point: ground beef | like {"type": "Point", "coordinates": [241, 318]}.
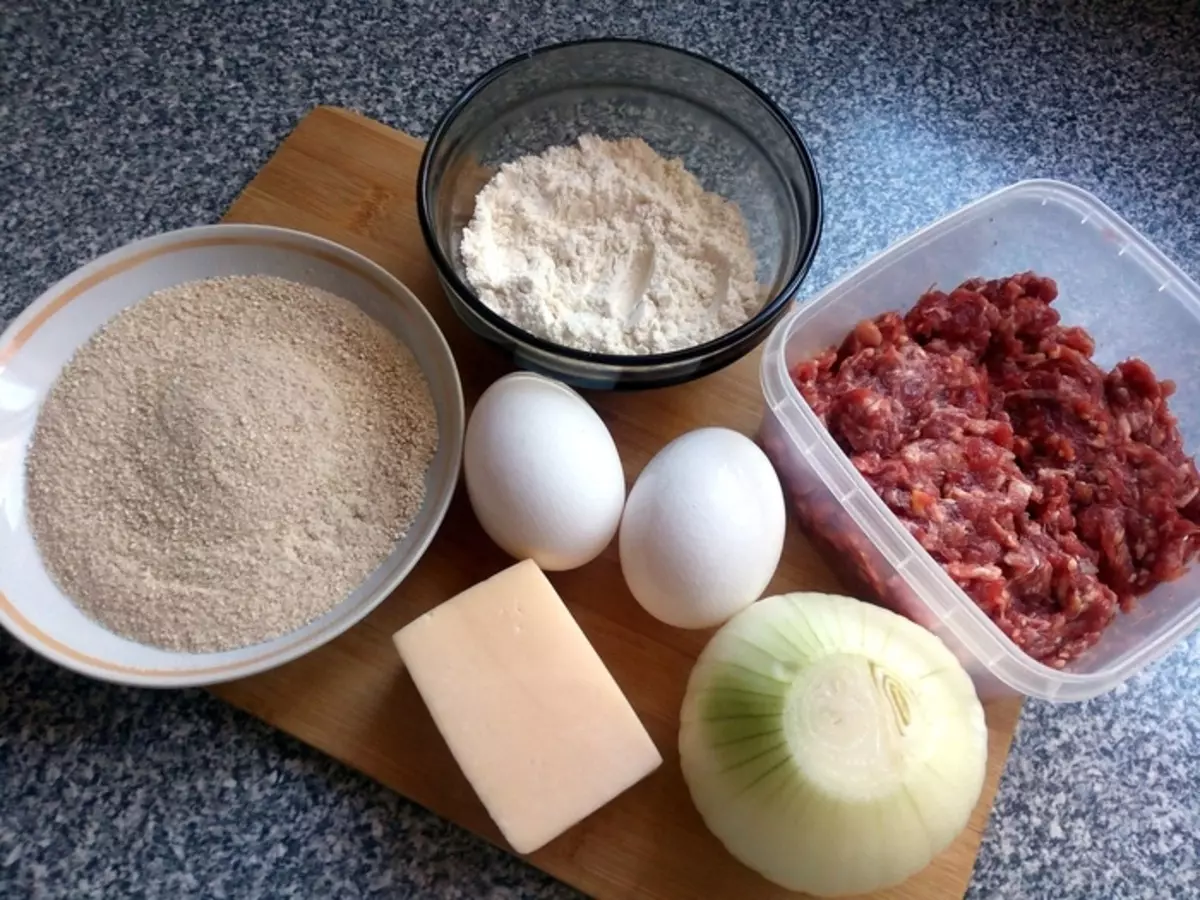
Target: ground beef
{"type": "Point", "coordinates": [1052, 492]}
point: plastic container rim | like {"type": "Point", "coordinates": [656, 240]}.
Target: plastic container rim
{"type": "Point", "coordinates": [981, 636]}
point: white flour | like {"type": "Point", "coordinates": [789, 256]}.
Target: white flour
{"type": "Point", "coordinates": [609, 247]}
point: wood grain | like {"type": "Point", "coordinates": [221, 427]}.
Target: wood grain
{"type": "Point", "coordinates": [353, 180]}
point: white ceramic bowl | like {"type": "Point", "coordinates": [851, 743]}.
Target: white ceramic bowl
{"type": "Point", "coordinates": [43, 338]}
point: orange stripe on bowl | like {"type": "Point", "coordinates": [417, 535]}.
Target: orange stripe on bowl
{"type": "Point", "coordinates": [31, 631]}
{"type": "Point", "coordinates": [31, 327]}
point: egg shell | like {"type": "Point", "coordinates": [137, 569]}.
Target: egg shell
{"type": "Point", "coordinates": [542, 472]}
{"type": "Point", "coordinates": [703, 529]}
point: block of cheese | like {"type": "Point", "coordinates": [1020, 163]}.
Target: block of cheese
{"type": "Point", "coordinates": [531, 714]}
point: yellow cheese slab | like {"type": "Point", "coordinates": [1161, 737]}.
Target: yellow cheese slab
{"type": "Point", "coordinates": [528, 709]}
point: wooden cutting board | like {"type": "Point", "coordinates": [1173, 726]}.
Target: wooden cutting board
{"type": "Point", "coordinates": [353, 180]}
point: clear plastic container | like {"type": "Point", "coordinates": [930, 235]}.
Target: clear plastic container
{"type": "Point", "coordinates": [1133, 300]}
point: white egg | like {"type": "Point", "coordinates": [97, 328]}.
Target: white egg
{"type": "Point", "coordinates": [703, 529]}
{"type": "Point", "coordinates": [542, 472]}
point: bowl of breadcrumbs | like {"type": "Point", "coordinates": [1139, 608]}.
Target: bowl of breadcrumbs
{"type": "Point", "coordinates": [219, 449]}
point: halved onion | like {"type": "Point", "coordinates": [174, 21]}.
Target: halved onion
{"type": "Point", "coordinates": [832, 746]}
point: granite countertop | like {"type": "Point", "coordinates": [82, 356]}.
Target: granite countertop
{"type": "Point", "coordinates": [120, 119]}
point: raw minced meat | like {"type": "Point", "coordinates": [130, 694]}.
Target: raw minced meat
{"type": "Point", "coordinates": [1052, 492]}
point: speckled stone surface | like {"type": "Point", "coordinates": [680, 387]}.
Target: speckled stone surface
{"type": "Point", "coordinates": [122, 119]}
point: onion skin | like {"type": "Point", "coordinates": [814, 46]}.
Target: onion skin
{"type": "Point", "coordinates": [832, 746]}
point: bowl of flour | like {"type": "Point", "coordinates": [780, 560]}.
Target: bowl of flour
{"type": "Point", "coordinates": [618, 214]}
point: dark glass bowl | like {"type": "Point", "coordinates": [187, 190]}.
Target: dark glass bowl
{"type": "Point", "coordinates": [734, 139]}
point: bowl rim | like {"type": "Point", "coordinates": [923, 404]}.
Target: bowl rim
{"type": "Point", "coordinates": [646, 361]}
{"type": "Point", "coordinates": [135, 251]}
